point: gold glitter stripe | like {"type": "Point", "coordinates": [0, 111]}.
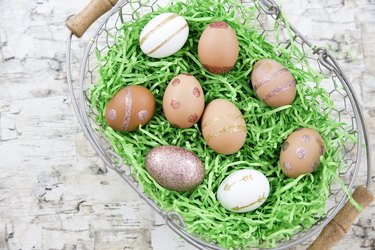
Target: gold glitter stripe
{"type": "Point", "coordinates": [168, 19]}
{"type": "Point", "coordinates": [269, 78]}
{"type": "Point", "coordinates": [227, 130]}
{"type": "Point", "coordinates": [215, 119]}
{"type": "Point", "coordinates": [259, 200]}
{"type": "Point", "coordinates": [167, 40]}
{"type": "Point", "coordinates": [245, 179]}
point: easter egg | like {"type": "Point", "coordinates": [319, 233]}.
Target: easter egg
{"type": "Point", "coordinates": [300, 153]}
{"type": "Point", "coordinates": [183, 101]}
{"type": "Point", "coordinates": [273, 83]}
{"type": "Point", "coordinates": [218, 48]}
{"type": "Point", "coordinates": [243, 191]}
{"type": "Point", "coordinates": [175, 168]}
{"type": "Point", "coordinates": [223, 127]}
{"type": "Point", "coordinates": [164, 35]}
{"type": "Point", "coordinates": [130, 107]}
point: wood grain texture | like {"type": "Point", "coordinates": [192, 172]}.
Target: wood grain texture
{"type": "Point", "coordinates": [339, 226]}
{"type": "Point", "coordinates": [80, 22]}
{"type": "Point", "coordinates": [55, 193]}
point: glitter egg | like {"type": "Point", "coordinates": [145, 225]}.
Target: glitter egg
{"type": "Point", "coordinates": [175, 168]}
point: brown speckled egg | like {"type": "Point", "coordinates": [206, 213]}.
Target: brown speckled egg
{"type": "Point", "coordinates": [223, 127]}
{"type": "Point", "coordinates": [130, 107]}
{"type": "Point", "coordinates": [300, 153]}
{"type": "Point", "coordinates": [175, 168]}
{"type": "Point", "coordinates": [218, 48]}
{"type": "Point", "coordinates": [273, 83]}
{"type": "Point", "coordinates": [183, 101]}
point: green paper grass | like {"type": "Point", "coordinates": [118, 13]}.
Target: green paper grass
{"type": "Point", "coordinates": [293, 204]}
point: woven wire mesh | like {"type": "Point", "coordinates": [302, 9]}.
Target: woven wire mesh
{"type": "Point", "coordinates": [272, 25]}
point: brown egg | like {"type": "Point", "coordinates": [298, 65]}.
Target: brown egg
{"type": "Point", "coordinates": [175, 168]}
{"type": "Point", "coordinates": [183, 101]}
{"type": "Point", "coordinates": [223, 127]}
{"type": "Point", "coordinates": [130, 107]}
{"type": "Point", "coordinates": [273, 83]}
{"type": "Point", "coordinates": [300, 153]}
{"type": "Point", "coordinates": [218, 48]}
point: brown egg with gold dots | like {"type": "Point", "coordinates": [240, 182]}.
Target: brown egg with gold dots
{"type": "Point", "coordinates": [130, 107]}
{"type": "Point", "coordinates": [273, 83]}
{"type": "Point", "coordinates": [183, 101]}
{"type": "Point", "coordinates": [300, 153]}
{"type": "Point", "coordinates": [218, 48]}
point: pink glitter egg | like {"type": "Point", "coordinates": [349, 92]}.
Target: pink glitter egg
{"type": "Point", "coordinates": [175, 168]}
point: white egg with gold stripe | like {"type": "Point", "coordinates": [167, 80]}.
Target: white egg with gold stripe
{"type": "Point", "coordinates": [164, 35]}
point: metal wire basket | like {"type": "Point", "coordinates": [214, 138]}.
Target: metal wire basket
{"type": "Point", "coordinates": [346, 106]}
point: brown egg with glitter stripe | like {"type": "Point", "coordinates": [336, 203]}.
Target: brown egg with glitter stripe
{"type": "Point", "coordinates": [130, 107]}
{"type": "Point", "coordinates": [175, 168]}
{"type": "Point", "coordinates": [183, 101]}
{"type": "Point", "coordinates": [301, 152]}
{"type": "Point", "coordinates": [273, 83]}
{"type": "Point", "coordinates": [218, 48]}
{"type": "Point", "coordinates": [223, 127]}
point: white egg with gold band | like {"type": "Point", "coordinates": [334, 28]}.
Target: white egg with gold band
{"type": "Point", "coordinates": [164, 35]}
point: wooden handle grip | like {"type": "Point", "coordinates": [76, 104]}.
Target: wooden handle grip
{"type": "Point", "coordinates": [78, 24]}
{"type": "Point", "coordinates": [341, 223]}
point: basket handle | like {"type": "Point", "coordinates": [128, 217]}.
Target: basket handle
{"type": "Point", "coordinates": [340, 224]}
{"type": "Point", "coordinates": [80, 22]}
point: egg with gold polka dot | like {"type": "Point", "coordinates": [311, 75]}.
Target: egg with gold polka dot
{"type": "Point", "coordinates": [301, 152]}
{"type": "Point", "coordinates": [130, 107]}
{"type": "Point", "coordinates": [183, 101]}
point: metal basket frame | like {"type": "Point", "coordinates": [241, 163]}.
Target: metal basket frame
{"type": "Point", "coordinates": [325, 62]}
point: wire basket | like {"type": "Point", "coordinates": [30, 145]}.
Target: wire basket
{"type": "Point", "coordinates": [346, 108]}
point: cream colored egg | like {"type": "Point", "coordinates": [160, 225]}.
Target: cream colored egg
{"type": "Point", "coordinates": [243, 191]}
{"type": "Point", "coordinates": [183, 101]}
{"type": "Point", "coordinates": [164, 35]}
{"type": "Point", "coordinates": [223, 127]}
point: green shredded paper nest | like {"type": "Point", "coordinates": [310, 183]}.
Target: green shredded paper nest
{"type": "Point", "coordinates": [293, 205]}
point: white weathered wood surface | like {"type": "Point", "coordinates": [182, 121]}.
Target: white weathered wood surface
{"type": "Point", "coordinates": [54, 193]}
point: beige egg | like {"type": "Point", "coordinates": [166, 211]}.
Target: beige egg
{"type": "Point", "coordinates": [273, 83]}
{"type": "Point", "coordinates": [130, 107]}
{"type": "Point", "coordinates": [223, 127]}
{"type": "Point", "coordinates": [300, 153]}
{"type": "Point", "coordinates": [183, 101]}
{"type": "Point", "coordinates": [218, 48]}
